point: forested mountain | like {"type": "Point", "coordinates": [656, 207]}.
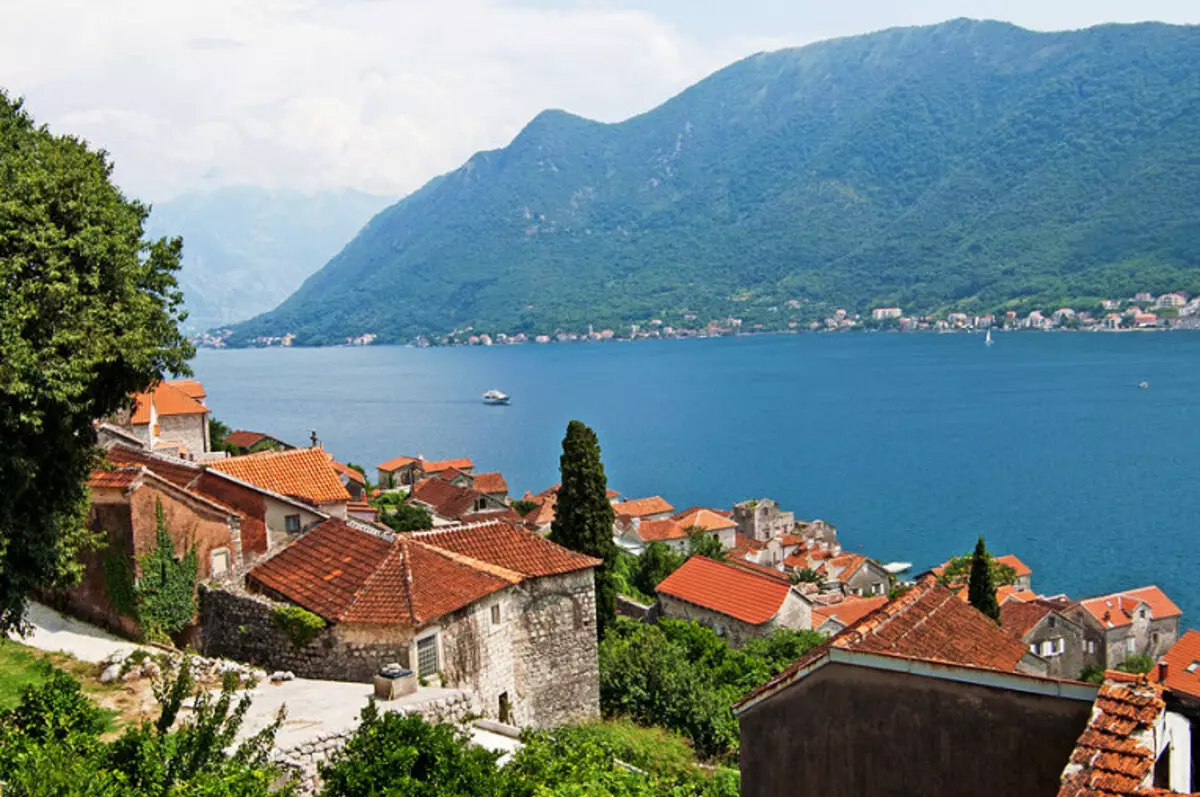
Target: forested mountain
{"type": "Point", "coordinates": [967, 164]}
{"type": "Point", "coordinates": [246, 249]}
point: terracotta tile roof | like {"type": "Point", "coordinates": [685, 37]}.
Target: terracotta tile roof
{"type": "Point", "coordinates": [1114, 755]}
{"type": "Point", "coordinates": [707, 519]}
{"type": "Point", "coordinates": [303, 473]}
{"type": "Point", "coordinates": [118, 479]}
{"type": "Point", "coordinates": [1117, 609]}
{"type": "Point", "coordinates": [790, 539]}
{"type": "Point", "coordinates": [507, 515]}
{"type": "Point", "coordinates": [437, 466]}
{"type": "Point", "coordinates": [1183, 665]}
{"type": "Point", "coordinates": [167, 400]}
{"type": "Point", "coordinates": [744, 543]}
{"type": "Point", "coordinates": [244, 439]}
{"type": "Point", "coordinates": [753, 567]}
{"type": "Point", "coordinates": [345, 574]}
{"type": "Point", "coordinates": [490, 483]}
{"type": "Point", "coordinates": [552, 491]}
{"type": "Point", "coordinates": [726, 589]}
{"type": "Point", "coordinates": [927, 623]}
{"type": "Point", "coordinates": [661, 530]}
{"type": "Point", "coordinates": [847, 564]}
{"type": "Point", "coordinates": [640, 507]}
{"type": "Point", "coordinates": [395, 463]}
{"type": "Point", "coordinates": [349, 472]}
{"type": "Point", "coordinates": [542, 514]}
{"type": "Point", "coordinates": [189, 386]}
{"type": "Point", "coordinates": [850, 610]}
{"type": "Point", "coordinates": [446, 499]}
{"type": "Point", "coordinates": [1020, 617]}
{"type": "Point", "coordinates": [504, 545]}
{"type": "Point", "coordinates": [1019, 567]}
{"type": "Point", "coordinates": [176, 471]}
{"type": "Point", "coordinates": [1010, 592]}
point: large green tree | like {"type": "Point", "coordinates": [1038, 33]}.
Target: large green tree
{"type": "Point", "coordinates": [583, 517]}
{"type": "Point", "coordinates": [89, 313]}
{"type": "Point", "coordinates": [981, 592]}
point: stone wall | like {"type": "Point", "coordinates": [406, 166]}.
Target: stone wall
{"type": "Point", "coordinates": [302, 762]}
{"type": "Point", "coordinates": [733, 630]}
{"type": "Point", "coordinates": [628, 607]}
{"type": "Point", "coordinates": [191, 430]}
{"type": "Point", "coordinates": [237, 625]}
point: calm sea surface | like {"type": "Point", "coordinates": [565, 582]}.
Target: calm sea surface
{"type": "Point", "coordinates": [911, 445]}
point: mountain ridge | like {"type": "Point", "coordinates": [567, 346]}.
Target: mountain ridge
{"type": "Point", "coordinates": [969, 164]}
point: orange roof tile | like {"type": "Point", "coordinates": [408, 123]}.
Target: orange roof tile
{"type": "Point", "coordinates": [396, 463]}
{"type": "Point", "coordinates": [437, 466]}
{"type": "Point", "coordinates": [707, 519]}
{"type": "Point", "coordinates": [119, 479]}
{"type": "Point", "coordinates": [1111, 757]}
{"type": "Point", "coordinates": [304, 473]}
{"type": "Point", "coordinates": [506, 546]}
{"type": "Point", "coordinates": [848, 564]}
{"type": "Point", "coordinates": [847, 611]}
{"type": "Point", "coordinates": [189, 386]}
{"type": "Point", "coordinates": [552, 491]}
{"type": "Point", "coordinates": [490, 483]}
{"type": "Point", "coordinates": [167, 400]}
{"type": "Point", "coordinates": [640, 507]}
{"type": "Point", "coordinates": [446, 499]}
{"type": "Point", "coordinates": [1183, 665]}
{"type": "Point", "coordinates": [754, 567]}
{"type": "Point", "coordinates": [1117, 609]}
{"type": "Point", "coordinates": [927, 623]}
{"type": "Point", "coordinates": [349, 472]}
{"type": "Point", "coordinates": [726, 589]}
{"type": "Point", "coordinates": [1010, 592]}
{"type": "Point", "coordinates": [661, 530]}
{"type": "Point", "coordinates": [1020, 617]}
{"type": "Point", "coordinates": [1019, 567]}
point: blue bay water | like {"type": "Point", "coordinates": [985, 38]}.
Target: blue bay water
{"type": "Point", "coordinates": [911, 445]}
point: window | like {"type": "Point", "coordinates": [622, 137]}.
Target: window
{"type": "Point", "coordinates": [480, 504]}
{"type": "Point", "coordinates": [1142, 613]}
{"type": "Point", "coordinates": [1195, 665]}
{"type": "Point", "coordinates": [1130, 646]}
{"type": "Point", "coordinates": [1033, 648]}
{"type": "Point", "coordinates": [218, 562]}
{"type": "Point", "coordinates": [1091, 646]}
{"type": "Point", "coordinates": [1053, 647]}
{"type": "Point", "coordinates": [291, 524]}
{"type": "Point", "coordinates": [427, 658]}
{"type": "Point", "coordinates": [496, 614]}
{"type": "Point", "coordinates": [505, 713]}
{"type": "Point", "coordinates": [1050, 621]}
{"type": "Point", "coordinates": [1154, 639]}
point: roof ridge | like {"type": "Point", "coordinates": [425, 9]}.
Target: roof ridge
{"type": "Point", "coordinates": [396, 547]}
{"type": "Point", "coordinates": [512, 576]}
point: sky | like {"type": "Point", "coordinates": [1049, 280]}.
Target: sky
{"type": "Point", "coordinates": [381, 95]}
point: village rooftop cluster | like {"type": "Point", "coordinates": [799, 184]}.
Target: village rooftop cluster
{"type": "Point", "coordinates": [482, 603]}
{"type": "Point", "coordinates": [1142, 311]}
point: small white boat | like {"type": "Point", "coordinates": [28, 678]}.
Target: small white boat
{"type": "Point", "coordinates": [896, 568]}
{"type": "Point", "coordinates": [1143, 385]}
{"type": "Point", "coordinates": [988, 340]}
{"type": "Point", "coordinates": [495, 397]}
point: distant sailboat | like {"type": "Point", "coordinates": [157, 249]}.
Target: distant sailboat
{"type": "Point", "coordinates": [988, 340]}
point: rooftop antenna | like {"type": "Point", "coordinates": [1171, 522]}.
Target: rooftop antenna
{"type": "Point", "coordinates": [312, 435]}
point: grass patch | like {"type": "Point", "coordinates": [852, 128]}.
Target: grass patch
{"type": "Point", "coordinates": [22, 666]}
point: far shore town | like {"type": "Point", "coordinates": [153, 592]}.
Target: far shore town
{"type": "Point", "coordinates": [432, 571]}
{"type": "Point", "coordinates": [1141, 312]}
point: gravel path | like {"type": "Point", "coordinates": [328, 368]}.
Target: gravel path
{"type": "Point", "coordinates": [55, 633]}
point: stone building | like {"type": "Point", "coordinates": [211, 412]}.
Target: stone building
{"type": "Point", "coordinates": [762, 519]}
{"type": "Point", "coordinates": [923, 695]}
{"type": "Point", "coordinates": [124, 512]}
{"type": "Point", "coordinates": [169, 418]}
{"type": "Point", "coordinates": [449, 503]}
{"type": "Point", "coordinates": [305, 474]}
{"type": "Point", "coordinates": [1064, 643]}
{"type": "Point", "coordinates": [488, 608]}
{"type": "Point", "coordinates": [735, 601]}
{"type": "Point", "coordinates": [855, 574]}
{"type": "Point", "coordinates": [712, 522]}
{"type": "Point", "coordinates": [1140, 621]}
{"type": "Point", "coordinates": [269, 519]}
{"type": "Point", "coordinates": [653, 508]}
{"type": "Point", "coordinates": [407, 471]}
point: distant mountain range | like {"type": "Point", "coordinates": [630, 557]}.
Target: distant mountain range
{"type": "Point", "coordinates": [246, 249]}
{"type": "Point", "coordinates": [969, 165]}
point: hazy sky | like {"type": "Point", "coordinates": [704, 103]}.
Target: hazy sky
{"type": "Point", "coordinates": [381, 95]}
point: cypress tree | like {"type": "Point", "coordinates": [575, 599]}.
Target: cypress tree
{"type": "Point", "coordinates": [583, 517]}
{"type": "Point", "coordinates": [982, 592]}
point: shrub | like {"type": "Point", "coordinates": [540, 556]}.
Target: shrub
{"type": "Point", "coordinates": [656, 563]}
{"type": "Point", "coordinates": [54, 710]}
{"type": "Point", "coordinates": [407, 517]}
{"type": "Point", "coordinates": [523, 506]}
{"type": "Point", "coordinates": [1138, 663]}
{"type": "Point", "coordinates": [299, 625]}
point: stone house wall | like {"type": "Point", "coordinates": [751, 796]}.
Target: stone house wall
{"type": "Point", "coordinates": [735, 631]}
{"type": "Point", "coordinates": [1075, 657]}
{"type": "Point", "coordinates": [796, 613]}
{"type": "Point", "coordinates": [1136, 637]}
{"type": "Point", "coordinates": [265, 522]}
{"type": "Point", "coordinates": [237, 625]}
{"type": "Point", "coordinates": [190, 523]}
{"type": "Point", "coordinates": [868, 580]}
{"type": "Point", "coordinates": [191, 430]}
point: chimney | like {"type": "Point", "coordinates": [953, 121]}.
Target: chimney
{"type": "Point", "coordinates": [1163, 671]}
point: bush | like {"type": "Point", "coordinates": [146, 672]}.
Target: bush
{"type": "Point", "coordinates": [1138, 663]}
{"type": "Point", "coordinates": [523, 506]}
{"type": "Point", "coordinates": [407, 517]}
{"type": "Point", "coordinates": [299, 625]}
{"type": "Point", "coordinates": [656, 563]}
{"type": "Point", "coordinates": [54, 710]}
{"type": "Point", "coordinates": [1093, 674]}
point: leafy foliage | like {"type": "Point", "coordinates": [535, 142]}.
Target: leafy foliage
{"type": "Point", "coordinates": [625, 570]}
{"type": "Point", "coordinates": [406, 517]}
{"type": "Point", "coordinates": [88, 315]}
{"type": "Point", "coordinates": [166, 592]}
{"type": "Point", "coordinates": [656, 562]}
{"type": "Point", "coordinates": [1093, 674]}
{"type": "Point", "coordinates": [523, 506]}
{"type": "Point", "coordinates": [299, 625]}
{"type": "Point", "coordinates": [958, 571]}
{"type": "Point", "coordinates": [701, 543]}
{"type": "Point", "coordinates": [981, 592]}
{"type": "Point", "coordinates": [682, 676]}
{"type": "Point", "coordinates": [583, 517]}
{"type": "Point", "coordinates": [806, 575]}
{"type": "Point", "coordinates": [969, 165]}
{"type": "Point", "coordinates": [50, 745]}
{"type": "Point", "coordinates": [1138, 663]}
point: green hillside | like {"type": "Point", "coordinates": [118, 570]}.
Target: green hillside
{"type": "Point", "coordinates": [968, 164]}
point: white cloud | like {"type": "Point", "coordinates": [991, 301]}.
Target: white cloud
{"type": "Point", "coordinates": [370, 94]}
